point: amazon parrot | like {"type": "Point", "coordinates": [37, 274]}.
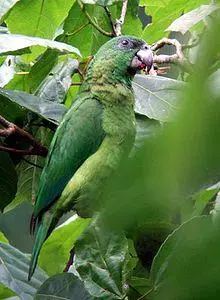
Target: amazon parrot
{"type": "Point", "coordinates": [95, 134]}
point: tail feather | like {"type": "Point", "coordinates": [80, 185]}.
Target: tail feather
{"type": "Point", "coordinates": [43, 230]}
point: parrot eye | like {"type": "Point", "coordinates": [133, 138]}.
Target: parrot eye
{"type": "Point", "coordinates": [126, 44]}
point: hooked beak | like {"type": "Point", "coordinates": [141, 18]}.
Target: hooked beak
{"type": "Point", "coordinates": [143, 59]}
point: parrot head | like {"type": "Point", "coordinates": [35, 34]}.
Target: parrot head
{"type": "Point", "coordinates": [127, 54]}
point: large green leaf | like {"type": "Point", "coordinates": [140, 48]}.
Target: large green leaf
{"type": "Point", "coordinates": [14, 42]}
{"type": "Point", "coordinates": [64, 286]}
{"type": "Point", "coordinates": [57, 247]}
{"type": "Point", "coordinates": [101, 259]}
{"type": "Point", "coordinates": [157, 97]}
{"type": "Point", "coordinates": [8, 180]}
{"type": "Point", "coordinates": [188, 20]}
{"type": "Point", "coordinates": [14, 272]}
{"type": "Point", "coordinates": [164, 13]}
{"type": "Point", "coordinates": [51, 111]}
{"type": "Point", "coordinates": [38, 18]}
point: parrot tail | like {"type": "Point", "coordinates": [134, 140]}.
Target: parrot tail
{"type": "Point", "coordinates": [43, 230]}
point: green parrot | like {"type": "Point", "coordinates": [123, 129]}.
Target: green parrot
{"type": "Point", "coordinates": [93, 137]}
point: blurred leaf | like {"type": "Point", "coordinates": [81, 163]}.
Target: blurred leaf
{"type": "Point", "coordinates": [57, 247]}
{"type": "Point", "coordinates": [188, 20]}
{"type": "Point", "coordinates": [55, 87]}
{"type": "Point", "coordinates": [145, 128]}
{"type": "Point", "coordinates": [13, 42]}
{"type": "Point", "coordinates": [141, 285]}
{"type": "Point", "coordinates": [7, 70]}
{"type": "Point", "coordinates": [157, 97]}
{"type": "Point", "coordinates": [103, 266]}
{"type": "Point", "coordinates": [5, 6]}
{"type": "Point", "coordinates": [50, 111]}
{"type": "Point", "coordinates": [8, 180]}
{"type": "Point", "coordinates": [187, 264]}
{"type": "Point", "coordinates": [14, 272]}
{"type": "Point", "coordinates": [5, 293]}
{"type": "Point", "coordinates": [64, 286]}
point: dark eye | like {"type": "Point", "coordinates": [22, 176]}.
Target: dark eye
{"type": "Point", "coordinates": [125, 42]}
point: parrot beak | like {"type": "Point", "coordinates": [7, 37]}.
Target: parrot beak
{"type": "Point", "coordinates": [143, 59]}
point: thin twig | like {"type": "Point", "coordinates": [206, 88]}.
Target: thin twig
{"type": "Point", "coordinates": [92, 22]}
{"type": "Point", "coordinates": [77, 30]}
{"type": "Point", "coordinates": [120, 22]}
{"type": "Point", "coordinates": [10, 129]}
{"type": "Point", "coordinates": [145, 295]}
{"type": "Point", "coordinates": [110, 19]}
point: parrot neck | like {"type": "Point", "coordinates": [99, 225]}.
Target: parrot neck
{"type": "Point", "coordinates": [105, 72]}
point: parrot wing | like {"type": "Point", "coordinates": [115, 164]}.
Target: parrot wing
{"type": "Point", "coordinates": [78, 136]}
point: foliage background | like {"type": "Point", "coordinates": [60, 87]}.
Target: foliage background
{"type": "Point", "coordinates": [165, 198]}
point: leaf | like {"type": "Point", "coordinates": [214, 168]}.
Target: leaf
{"type": "Point", "coordinates": [51, 111]}
{"type": "Point", "coordinates": [157, 97]}
{"type": "Point", "coordinates": [64, 286]}
{"type": "Point", "coordinates": [58, 245]}
{"type": "Point", "coordinates": [38, 18]}
{"type": "Point", "coordinates": [41, 69]}
{"type": "Point", "coordinates": [163, 13]}
{"type": "Point", "coordinates": [8, 180]}
{"type": "Point", "coordinates": [188, 20]}
{"type": "Point", "coordinates": [101, 2]}
{"type": "Point", "coordinates": [14, 272]}
{"type": "Point", "coordinates": [28, 174]}
{"type": "Point", "coordinates": [5, 6]}
{"type": "Point", "coordinates": [3, 238]}
{"type": "Point", "coordinates": [101, 259]}
{"type": "Point", "coordinates": [55, 87]}
{"type": "Point", "coordinates": [145, 128]}
{"type": "Point", "coordinates": [189, 253]}
{"type": "Point", "coordinates": [7, 70]}
{"type": "Point", "coordinates": [14, 42]}
{"type": "Point", "coordinates": [5, 293]}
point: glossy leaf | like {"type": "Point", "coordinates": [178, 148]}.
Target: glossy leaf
{"type": "Point", "coordinates": [14, 272]}
{"type": "Point", "coordinates": [7, 70]}
{"type": "Point", "coordinates": [55, 87]}
{"type": "Point", "coordinates": [157, 97]}
{"type": "Point", "coordinates": [14, 42]}
{"type": "Point", "coordinates": [64, 286]}
{"type": "Point", "coordinates": [45, 109]}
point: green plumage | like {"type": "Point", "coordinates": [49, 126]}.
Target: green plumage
{"type": "Point", "coordinates": [95, 134]}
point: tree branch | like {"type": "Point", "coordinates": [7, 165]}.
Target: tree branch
{"type": "Point", "coordinates": [12, 130]}
{"type": "Point", "coordinates": [177, 58]}
{"type": "Point", "coordinates": [120, 22]}
{"type": "Point", "coordinates": [92, 22]}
